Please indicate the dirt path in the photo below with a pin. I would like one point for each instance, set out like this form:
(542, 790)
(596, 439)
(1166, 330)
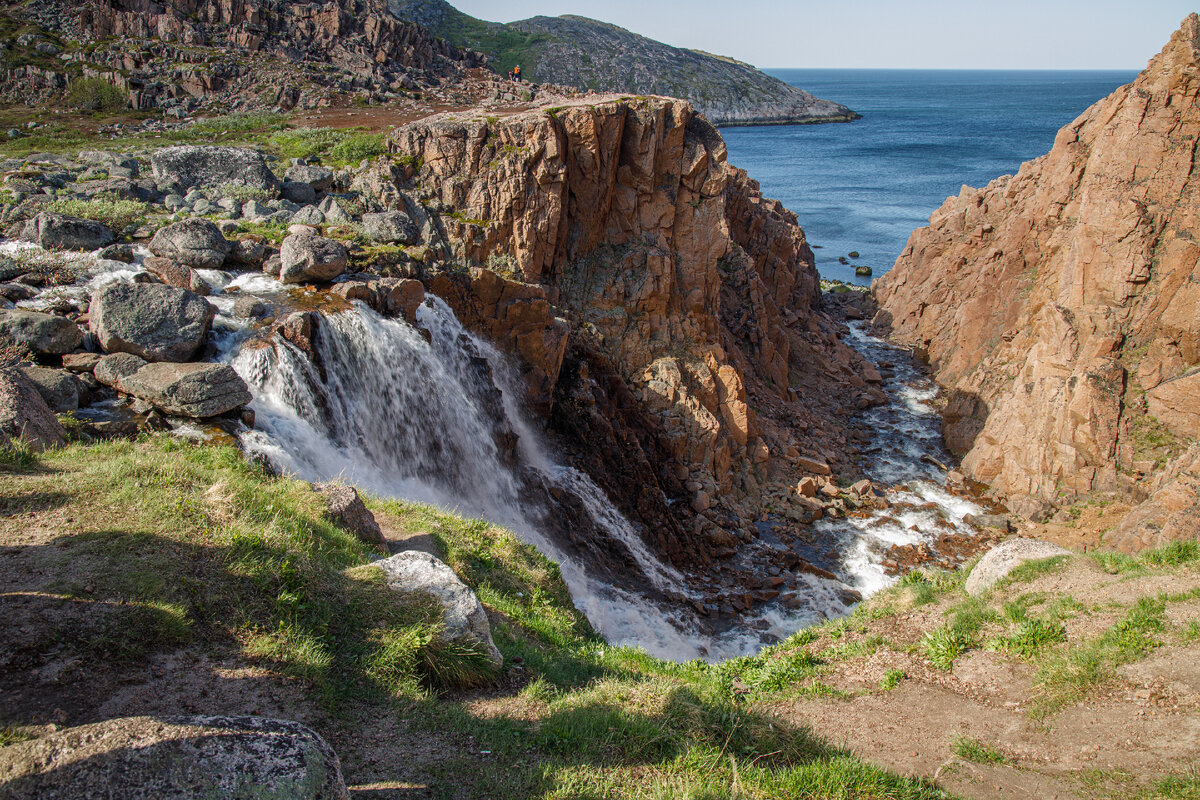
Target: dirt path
(1140, 724)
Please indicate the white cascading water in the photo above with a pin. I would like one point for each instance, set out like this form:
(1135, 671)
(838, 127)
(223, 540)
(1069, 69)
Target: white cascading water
(402, 417)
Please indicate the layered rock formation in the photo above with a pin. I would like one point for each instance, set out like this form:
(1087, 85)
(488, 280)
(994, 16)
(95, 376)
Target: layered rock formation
(1058, 306)
(589, 54)
(691, 299)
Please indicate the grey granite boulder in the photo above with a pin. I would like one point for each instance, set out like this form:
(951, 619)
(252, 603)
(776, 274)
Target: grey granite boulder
(248, 251)
(173, 273)
(319, 178)
(1004, 558)
(348, 512)
(192, 242)
(308, 215)
(115, 366)
(43, 334)
(308, 257)
(175, 758)
(333, 211)
(59, 232)
(390, 227)
(298, 192)
(24, 415)
(152, 321)
(61, 390)
(464, 617)
(190, 166)
(197, 390)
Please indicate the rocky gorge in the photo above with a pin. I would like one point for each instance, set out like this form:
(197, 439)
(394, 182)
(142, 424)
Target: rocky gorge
(642, 506)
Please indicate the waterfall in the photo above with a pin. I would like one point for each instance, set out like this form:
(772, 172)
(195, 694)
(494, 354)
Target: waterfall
(403, 417)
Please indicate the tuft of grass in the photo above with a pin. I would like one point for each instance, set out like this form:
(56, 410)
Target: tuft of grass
(976, 751)
(11, 734)
(1029, 637)
(357, 146)
(945, 644)
(891, 679)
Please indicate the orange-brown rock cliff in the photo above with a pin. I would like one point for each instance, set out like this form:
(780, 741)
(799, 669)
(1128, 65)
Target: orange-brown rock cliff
(1060, 307)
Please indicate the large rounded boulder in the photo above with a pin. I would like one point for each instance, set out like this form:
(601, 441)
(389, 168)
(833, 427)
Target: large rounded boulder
(192, 242)
(192, 166)
(175, 758)
(307, 257)
(149, 320)
(465, 620)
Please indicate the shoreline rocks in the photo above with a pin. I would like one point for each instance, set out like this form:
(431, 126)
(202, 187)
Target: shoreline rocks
(152, 321)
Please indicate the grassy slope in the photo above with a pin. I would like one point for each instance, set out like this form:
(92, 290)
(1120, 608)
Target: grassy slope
(175, 546)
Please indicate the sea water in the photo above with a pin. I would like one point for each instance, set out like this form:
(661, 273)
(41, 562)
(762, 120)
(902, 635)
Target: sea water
(864, 186)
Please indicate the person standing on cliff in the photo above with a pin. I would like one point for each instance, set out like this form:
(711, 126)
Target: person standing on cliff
(517, 73)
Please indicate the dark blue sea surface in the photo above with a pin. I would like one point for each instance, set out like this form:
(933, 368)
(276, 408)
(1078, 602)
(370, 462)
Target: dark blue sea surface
(866, 185)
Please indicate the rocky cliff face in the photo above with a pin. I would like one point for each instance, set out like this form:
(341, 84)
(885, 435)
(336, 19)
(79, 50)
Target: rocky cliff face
(588, 54)
(1058, 306)
(691, 300)
(287, 53)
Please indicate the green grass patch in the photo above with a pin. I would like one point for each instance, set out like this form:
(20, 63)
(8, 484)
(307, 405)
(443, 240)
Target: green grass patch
(891, 679)
(977, 752)
(1029, 637)
(1068, 675)
(111, 211)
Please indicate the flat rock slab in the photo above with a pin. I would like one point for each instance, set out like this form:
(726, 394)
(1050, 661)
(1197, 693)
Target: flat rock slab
(188, 390)
(175, 758)
(1004, 558)
(191, 166)
(151, 321)
(465, 619)
(44, 334)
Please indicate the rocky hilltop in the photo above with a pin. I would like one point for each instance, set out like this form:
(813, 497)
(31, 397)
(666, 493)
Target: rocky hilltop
(181, 52)
(588, 54)
(1058, 309)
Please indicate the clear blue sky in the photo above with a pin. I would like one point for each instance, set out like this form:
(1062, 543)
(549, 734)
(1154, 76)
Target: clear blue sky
(936, 34)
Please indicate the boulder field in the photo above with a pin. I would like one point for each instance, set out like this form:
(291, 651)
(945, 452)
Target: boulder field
(1057, 307)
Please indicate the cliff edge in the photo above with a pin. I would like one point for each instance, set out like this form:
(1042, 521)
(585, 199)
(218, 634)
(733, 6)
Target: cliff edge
(1058, 309)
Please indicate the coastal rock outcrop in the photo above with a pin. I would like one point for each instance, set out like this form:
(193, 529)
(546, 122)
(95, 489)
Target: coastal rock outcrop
(664, 261)
(1058, 306)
